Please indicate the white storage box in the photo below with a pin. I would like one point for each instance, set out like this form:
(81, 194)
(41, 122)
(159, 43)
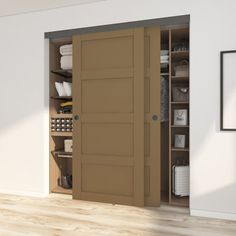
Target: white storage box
(68, 145)
(180, 180)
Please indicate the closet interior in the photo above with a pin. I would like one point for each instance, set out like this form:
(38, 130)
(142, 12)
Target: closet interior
(61, 123)
(175, 127)
(174, 80)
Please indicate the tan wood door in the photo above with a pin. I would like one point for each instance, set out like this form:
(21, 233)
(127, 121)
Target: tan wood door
(152, 111)
(108, 136)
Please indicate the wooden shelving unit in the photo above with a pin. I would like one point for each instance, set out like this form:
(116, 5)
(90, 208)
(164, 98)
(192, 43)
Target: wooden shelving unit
(177, 36)
(60, 161)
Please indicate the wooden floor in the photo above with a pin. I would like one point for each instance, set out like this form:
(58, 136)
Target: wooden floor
(59, 215)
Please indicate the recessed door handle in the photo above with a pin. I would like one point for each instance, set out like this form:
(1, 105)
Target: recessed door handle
(77, 117)
(155, 117)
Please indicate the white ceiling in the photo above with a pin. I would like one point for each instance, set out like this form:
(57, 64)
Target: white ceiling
(12, 7)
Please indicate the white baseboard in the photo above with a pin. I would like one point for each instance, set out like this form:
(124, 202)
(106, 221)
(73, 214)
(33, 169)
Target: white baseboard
(24, 193)
(213, 214)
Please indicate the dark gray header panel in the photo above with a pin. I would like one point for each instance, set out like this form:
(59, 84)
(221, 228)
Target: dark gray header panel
(167, 21)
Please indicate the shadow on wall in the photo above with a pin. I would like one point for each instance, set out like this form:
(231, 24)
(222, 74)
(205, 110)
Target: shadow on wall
(219, 200)
(212, 157)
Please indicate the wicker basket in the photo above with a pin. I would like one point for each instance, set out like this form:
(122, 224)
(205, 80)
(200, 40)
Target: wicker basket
(180, 94)
(182, 69)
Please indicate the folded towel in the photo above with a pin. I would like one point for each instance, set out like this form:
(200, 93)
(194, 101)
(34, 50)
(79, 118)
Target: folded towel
(60, 89)
(164, 52)
(66, 62)
(164, 58)
(164, 62)
(68, 88)
(63, 104)
(66, 50)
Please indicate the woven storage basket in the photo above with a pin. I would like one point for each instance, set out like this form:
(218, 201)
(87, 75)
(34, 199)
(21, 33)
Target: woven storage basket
(180, 94)
(182, 69)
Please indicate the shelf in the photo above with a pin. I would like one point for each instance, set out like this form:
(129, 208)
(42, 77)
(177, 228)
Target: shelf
(59, 189)
(61, 134)
(64, 73)
(173, 149)
(61, 116)
(164, 74)
(180, 55)
(62, 98)
(62, 154)
(179, 126)
(180, 103)
(179, 201)
(179, 79)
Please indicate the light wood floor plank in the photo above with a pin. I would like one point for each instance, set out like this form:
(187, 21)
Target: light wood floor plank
(60, 215)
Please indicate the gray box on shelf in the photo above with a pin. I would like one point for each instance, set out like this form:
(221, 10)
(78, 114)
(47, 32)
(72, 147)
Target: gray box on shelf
(180, 117)
(180, 140)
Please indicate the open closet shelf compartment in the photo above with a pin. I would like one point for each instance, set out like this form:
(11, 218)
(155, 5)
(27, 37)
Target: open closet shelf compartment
(62, 154)
(179, 55)
(59, 189)
(179, 79)
(64, 73)
(179, 201)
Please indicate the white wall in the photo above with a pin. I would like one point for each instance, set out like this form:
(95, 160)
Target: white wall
(24, 122)
(12, 7)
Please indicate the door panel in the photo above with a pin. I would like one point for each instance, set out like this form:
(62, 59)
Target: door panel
(107, 139)
(152, 107)
(95, 94)
(118, 179)
(108, 94)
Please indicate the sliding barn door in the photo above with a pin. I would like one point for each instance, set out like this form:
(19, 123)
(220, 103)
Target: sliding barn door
(108, 109)
(152, 116)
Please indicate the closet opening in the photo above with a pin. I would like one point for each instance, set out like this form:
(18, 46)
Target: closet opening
(60, 108)
(171, 122)
(174, 59)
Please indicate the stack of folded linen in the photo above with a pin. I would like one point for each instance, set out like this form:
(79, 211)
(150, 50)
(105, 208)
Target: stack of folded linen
(165, 56)
(64, 89)
(66, 59)
(65, 107)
